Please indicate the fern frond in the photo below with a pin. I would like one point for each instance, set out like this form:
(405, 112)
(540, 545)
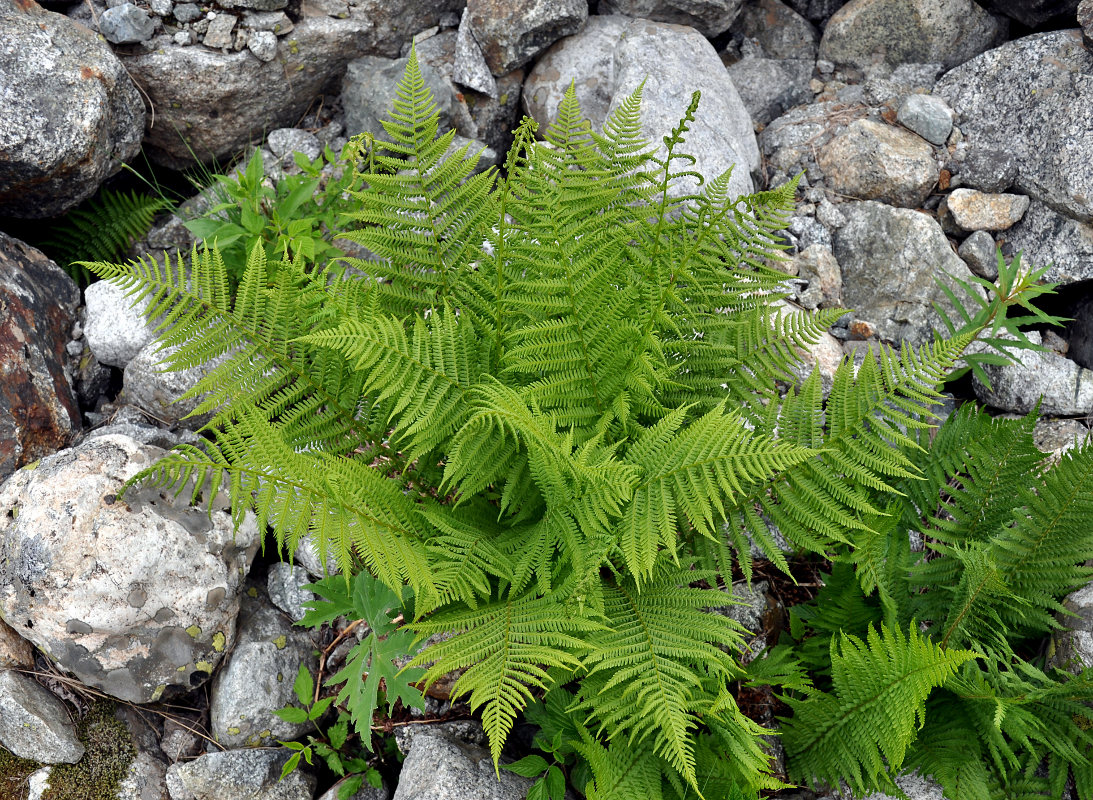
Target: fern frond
(620, 771)
(647, 671)
(101, 229)
(865, 727)
(508, 647)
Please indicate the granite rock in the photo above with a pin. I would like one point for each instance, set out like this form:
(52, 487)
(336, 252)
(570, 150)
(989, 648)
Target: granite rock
(779, 30)
(873, 161)
(979, 253)
(970, 210)
(708, 17)
(1045, 237)
(126, 24)
(34, 724)
(252, 774)
(928, 116)
(1062, 388)
(512, 34)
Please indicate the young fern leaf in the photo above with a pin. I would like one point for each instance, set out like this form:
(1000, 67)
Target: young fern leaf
(864, 728)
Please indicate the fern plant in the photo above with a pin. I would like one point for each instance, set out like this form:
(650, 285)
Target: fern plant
(552, 410)
(101, 229)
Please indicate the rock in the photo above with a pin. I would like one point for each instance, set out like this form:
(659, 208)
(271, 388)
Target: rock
(1045, 237)
(768, 87)
(968, 210)
(1080, 331)
(252, 774)
(255, 5)
(928, 116)
(368, 93)
(34, 724)
(187, 12)
(135, 598)
(284, 142)
(15, 651)
(1033, 13)
(263, 44)
(71, 114)
(1066, 389)
(708, 17)
(979, 253)
(587, 59)
(864, 32)
(1003, 104)
(914, 787)
(511, 35)
(38, 410)
(470, 68)
(126, 24)
(1057, 436)
(779, 30)
(145, 779)
(442, 765)
(988, 170)
(256, 678)
(276, 22)
(673, 62)
(749, 607)
(285, 584)
(790, 142)
(1072, 647)
(219, 33)
(817, 265)
(116, 329)
(1085, 20)
(148, 384)
(874, 161)
(890, 260)
(210, 105)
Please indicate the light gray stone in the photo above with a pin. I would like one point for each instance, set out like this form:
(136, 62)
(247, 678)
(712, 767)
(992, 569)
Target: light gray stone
(263, 44)
(442, 765)
(148, 384)
(283, 142)
(135, 598)
(116, 330)
(34, 724)
(866, 32)
(1033, 97)
(769, 87)
(779, 30)
(673, 62)
(126, 24)
(71, 116)
(1085, 20)
(276, 22)
(874, 161)
(187, 12)
(979, 253)
(928, 116)
(512, 34)
(368, 92)
(256, 678)
(891, 260)
(915, 787)
(1056, 437)
(1046, 237)
(255, 5)
(251, 774)
(219, 33)
(1072, 647)
(791, 142)
(161, 8)
(285, 586)
(586, 59)
(708, 17)
(809, 232)
(818, 266)
(1063, 388)
(470, 68)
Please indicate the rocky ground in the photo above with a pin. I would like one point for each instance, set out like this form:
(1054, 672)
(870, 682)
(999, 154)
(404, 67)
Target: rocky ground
(929, 133)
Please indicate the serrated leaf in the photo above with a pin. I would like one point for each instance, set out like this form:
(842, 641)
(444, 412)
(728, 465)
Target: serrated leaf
(350, 786)
(319, 708)
(528, 766)
(290, 766)
(304, 685)
(337, 734)
(297, 716)
(555, 783)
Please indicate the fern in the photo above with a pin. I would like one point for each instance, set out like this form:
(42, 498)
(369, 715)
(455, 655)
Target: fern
(101, 229)
(553, 409)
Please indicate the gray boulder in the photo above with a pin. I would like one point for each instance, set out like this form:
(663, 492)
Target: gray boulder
(38, 409)
(1003, 103)
(1062, 388)
(1072, 647)
(256, 678)
(780, 31)
(873, 161)
(251, 774)
(368, 93)
(126, 24)
(1046, 237)
(512, 34)
(979, 253)
(34, 724)
(769, 87)
(864, 32)
(469, 67)
(891, 260)
(914, 787)
(285, 586)
(791, 142)
(136, 598)
(709, 17)
(116, 329)
(444, 763)
(614, 56)
(71, 114)
(150, 385)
